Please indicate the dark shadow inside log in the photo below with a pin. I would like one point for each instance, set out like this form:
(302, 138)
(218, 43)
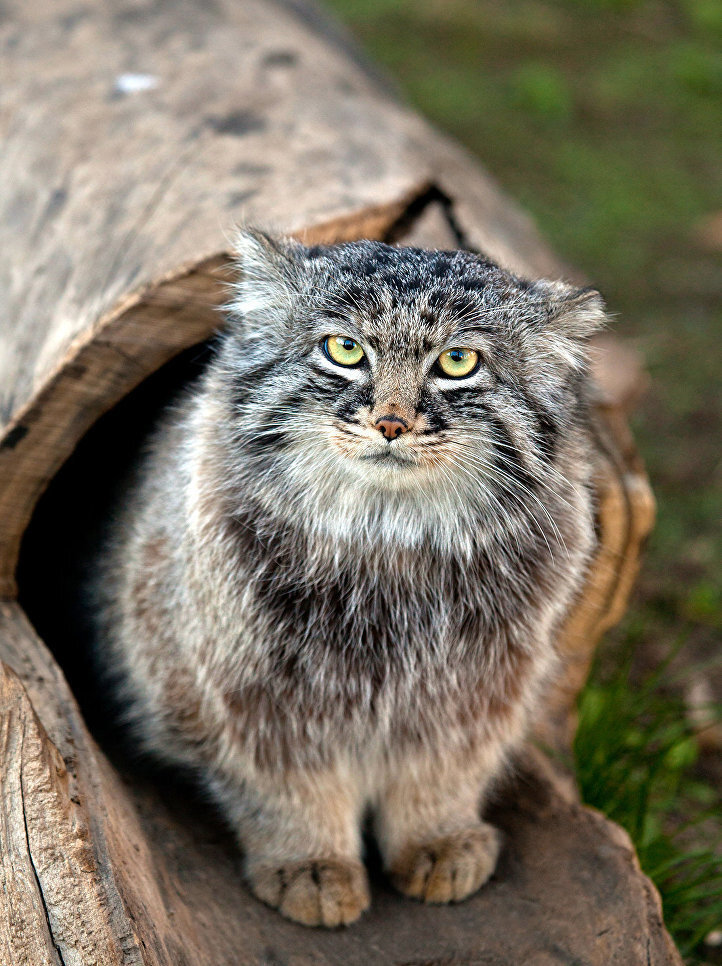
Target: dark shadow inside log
(67, 527)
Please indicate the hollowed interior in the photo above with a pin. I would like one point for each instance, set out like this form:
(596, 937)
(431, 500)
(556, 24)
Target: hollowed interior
(67, 529)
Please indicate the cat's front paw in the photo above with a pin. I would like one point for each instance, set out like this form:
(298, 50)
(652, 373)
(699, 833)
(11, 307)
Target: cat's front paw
(449, 868)
(315, 892)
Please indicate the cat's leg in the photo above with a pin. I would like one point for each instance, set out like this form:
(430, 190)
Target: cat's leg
(434, 844)
(301, 836)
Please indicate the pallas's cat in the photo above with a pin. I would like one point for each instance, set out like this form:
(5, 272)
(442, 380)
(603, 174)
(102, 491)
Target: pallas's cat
(334, 585)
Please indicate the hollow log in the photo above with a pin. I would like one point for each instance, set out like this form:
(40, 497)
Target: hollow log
(135, 135)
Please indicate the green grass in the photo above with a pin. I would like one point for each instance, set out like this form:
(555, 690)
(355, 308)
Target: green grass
(635, 752)
(602, 118)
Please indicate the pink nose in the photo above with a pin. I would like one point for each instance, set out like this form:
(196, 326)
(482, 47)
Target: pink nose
(391, 426)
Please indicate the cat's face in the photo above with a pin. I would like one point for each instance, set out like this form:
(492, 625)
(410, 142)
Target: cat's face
(400, 370)
(401, 383)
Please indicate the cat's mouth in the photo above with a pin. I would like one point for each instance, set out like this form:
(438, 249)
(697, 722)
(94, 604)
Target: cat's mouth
(356, 445)
(388, 456)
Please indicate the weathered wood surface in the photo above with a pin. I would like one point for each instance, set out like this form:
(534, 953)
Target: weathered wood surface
(114, 213)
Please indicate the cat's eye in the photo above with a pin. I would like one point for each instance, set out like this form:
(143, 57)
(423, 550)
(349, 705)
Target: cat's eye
(457, 363)
(342, 350)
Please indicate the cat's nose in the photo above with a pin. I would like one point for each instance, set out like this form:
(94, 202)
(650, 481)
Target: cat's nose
(392, 426)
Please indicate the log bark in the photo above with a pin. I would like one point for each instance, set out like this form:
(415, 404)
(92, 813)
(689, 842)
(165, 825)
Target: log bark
(135, 134)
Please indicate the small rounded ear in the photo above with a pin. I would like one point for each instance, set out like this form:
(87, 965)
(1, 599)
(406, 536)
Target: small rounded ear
(578, 312)
(267, 277)
(568, 317)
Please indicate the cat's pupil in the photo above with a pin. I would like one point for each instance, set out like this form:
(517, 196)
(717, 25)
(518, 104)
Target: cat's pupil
(348, 344)
(457, 355)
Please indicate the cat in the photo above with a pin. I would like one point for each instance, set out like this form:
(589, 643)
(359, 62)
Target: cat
(334, 585)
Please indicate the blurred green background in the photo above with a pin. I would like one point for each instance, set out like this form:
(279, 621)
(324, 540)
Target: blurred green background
(603, 118)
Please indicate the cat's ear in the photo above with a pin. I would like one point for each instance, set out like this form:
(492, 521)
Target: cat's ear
(569, 317)
(268, 277)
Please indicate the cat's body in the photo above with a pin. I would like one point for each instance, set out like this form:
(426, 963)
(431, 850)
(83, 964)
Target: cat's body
(335, 585)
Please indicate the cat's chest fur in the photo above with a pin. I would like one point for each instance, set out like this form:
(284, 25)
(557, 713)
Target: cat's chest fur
(377, 607)
(371, 645)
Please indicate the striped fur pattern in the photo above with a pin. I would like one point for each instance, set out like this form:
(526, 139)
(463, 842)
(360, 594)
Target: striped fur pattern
(326, 623)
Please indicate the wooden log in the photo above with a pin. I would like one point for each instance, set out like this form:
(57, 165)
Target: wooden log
(135, 134)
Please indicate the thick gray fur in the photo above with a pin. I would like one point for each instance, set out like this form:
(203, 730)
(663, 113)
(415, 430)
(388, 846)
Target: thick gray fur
(324, 622)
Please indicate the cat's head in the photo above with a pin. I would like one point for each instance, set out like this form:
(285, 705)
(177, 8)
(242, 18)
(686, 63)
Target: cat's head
(397, 370)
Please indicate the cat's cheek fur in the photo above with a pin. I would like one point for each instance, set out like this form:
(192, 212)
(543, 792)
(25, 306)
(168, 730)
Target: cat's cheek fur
(318, 643)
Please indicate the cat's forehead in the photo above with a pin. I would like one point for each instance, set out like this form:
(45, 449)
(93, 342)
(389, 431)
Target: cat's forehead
(408, 293)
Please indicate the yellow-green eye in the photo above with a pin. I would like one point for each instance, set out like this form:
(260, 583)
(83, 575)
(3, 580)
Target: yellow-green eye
(456, 363)
(342, 350)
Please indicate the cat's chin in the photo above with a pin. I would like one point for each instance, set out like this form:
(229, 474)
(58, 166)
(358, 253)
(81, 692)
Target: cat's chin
(390, 472)
(390, 458)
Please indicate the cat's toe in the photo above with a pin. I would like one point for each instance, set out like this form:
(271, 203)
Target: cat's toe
(316, 892)
(449, 868)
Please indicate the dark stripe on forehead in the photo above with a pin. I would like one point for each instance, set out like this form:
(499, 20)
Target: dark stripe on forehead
(350, 297)
(466, 309)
